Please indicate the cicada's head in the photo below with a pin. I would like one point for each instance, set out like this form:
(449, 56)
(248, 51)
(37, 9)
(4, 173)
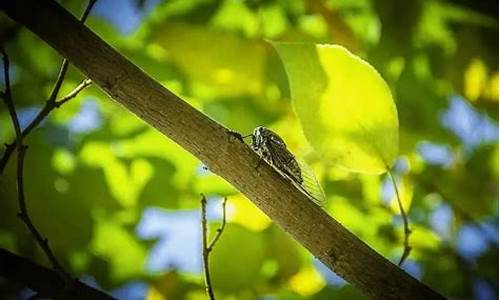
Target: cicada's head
(258, 137)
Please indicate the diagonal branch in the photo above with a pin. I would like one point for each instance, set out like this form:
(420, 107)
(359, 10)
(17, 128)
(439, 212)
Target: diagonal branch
(220, 151)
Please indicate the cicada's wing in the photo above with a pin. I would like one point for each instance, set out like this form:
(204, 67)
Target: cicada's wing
(285, 161)
(310, 184)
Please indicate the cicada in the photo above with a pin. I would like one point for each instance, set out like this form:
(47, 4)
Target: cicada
(273, 150)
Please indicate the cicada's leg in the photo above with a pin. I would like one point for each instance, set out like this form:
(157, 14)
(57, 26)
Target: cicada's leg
(258, 164)
(264, 156)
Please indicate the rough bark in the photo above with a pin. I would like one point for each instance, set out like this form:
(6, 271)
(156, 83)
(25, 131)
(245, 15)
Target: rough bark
(220, 151)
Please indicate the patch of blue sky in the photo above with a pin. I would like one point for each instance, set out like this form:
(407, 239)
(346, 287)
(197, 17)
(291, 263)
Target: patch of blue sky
(131, 291)
(441, 220)
(413, 268)
(214, 209)
(484, 291)
(397, 221)
(436, 154)
(179, 239)
(387, 191)
(90, 281)
(471, 242)
(26, 293)
(329, 276)
(401, 166)
(471, 126)
(125, 15)
(12, 73)
(87, 119)
(490, 228)
(26, 115)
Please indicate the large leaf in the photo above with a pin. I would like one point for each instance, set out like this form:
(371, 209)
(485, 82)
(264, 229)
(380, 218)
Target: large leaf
(345, 107)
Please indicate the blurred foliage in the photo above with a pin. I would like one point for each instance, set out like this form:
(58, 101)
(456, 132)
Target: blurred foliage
(93, 168)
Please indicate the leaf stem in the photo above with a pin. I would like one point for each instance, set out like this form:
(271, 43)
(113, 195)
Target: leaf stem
(407, 230)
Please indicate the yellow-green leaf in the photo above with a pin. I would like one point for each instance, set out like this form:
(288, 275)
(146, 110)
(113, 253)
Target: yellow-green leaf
(345, 107)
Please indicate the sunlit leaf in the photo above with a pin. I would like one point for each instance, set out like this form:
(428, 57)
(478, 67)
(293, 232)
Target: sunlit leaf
(422, 239)
(307, 282)
(491, 89)
(120, 248)
(285, 253)
(475, 79)
(244, 212)
(239, 271)
(235, 67)
(63, 161)
(125, 183)
(345, 107)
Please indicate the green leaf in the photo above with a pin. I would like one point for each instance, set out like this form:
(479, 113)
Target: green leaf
(119, 247)
(236, 259)
(345, 107)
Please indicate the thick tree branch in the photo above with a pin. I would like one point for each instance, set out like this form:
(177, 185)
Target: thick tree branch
(224, 154)
(45, 281)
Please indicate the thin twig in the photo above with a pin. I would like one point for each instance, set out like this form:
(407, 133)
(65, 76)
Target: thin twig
(21, 149)
(221, 228)
(207, 248)
(42, 114)
(51, 102)
(407, 230)
(74, 92)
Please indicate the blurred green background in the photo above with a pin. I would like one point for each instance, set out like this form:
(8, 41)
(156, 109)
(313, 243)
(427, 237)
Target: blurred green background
(119, 202)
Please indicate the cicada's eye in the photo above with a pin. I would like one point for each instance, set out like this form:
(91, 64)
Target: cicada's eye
(254, 140)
